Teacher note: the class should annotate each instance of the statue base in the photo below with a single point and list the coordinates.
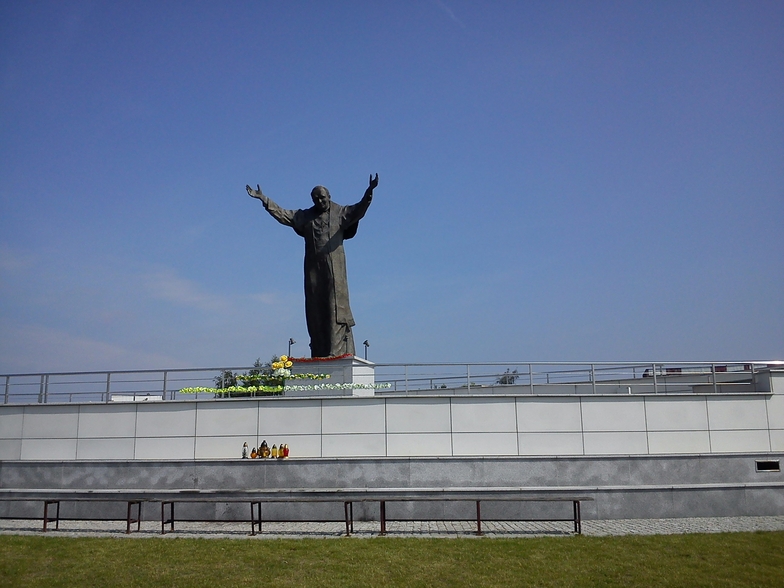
(341, 370)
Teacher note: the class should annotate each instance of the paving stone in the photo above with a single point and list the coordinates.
(368, 529)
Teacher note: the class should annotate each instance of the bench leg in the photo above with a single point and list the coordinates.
(253, 520)
(383, 517)
(164, 520)
(137, 520)
(478, 518)
(578, 525)
(56, 517)
(348, 511)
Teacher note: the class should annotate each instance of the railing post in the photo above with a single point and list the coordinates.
(468, 376)
(655, 384)
(165, 382)
(531, 377)
(46, 389)
(713, 374)
(406, 376)
(108, 385)
(7, 384)
(41, 390)
(593, 379)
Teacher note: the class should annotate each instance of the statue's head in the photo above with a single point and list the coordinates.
(320, 196)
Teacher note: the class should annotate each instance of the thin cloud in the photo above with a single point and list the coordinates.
(166, 285)
(264, 298)
(34, 348)
(441, 4)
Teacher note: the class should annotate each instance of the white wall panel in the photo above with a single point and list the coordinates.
(776, 411)
(422, 444)
(418, 415)
(475, 415)
(11, 418)
(117, 448)
(737, 413)
(678, 442)
(299, 445)
(51, 422)
(777, 440)
(10, 449)
(739, 441)
(610, 414)
(107, 420)
(165, 448)
(221, 447)
(166, 420)
(551, 443)
(286, 417)
(229, 418)
(358, 445)
(484, 444)
(353, 416)
(48, 449)
(625, 443)
(676, 414)
(548, 414)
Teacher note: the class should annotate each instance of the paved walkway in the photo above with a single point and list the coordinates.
(444, 529)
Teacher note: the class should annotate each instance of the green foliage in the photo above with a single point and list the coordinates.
(730, 559)
(508, 377)
(258, 367)
(226, 379)
(231, 384)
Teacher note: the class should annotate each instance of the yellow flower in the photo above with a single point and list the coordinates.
(284, 358)
(289, 364)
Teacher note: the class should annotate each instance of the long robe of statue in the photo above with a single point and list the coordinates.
(324, 227)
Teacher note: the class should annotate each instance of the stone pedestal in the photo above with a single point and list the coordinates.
(344, 370)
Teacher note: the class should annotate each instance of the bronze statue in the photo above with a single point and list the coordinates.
(324, 227)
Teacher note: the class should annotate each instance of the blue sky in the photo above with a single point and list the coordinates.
(559, 181)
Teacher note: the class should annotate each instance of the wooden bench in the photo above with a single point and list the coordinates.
(256, 497)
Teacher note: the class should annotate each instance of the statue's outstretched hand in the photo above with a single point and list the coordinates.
(255, 193)
(372, 182)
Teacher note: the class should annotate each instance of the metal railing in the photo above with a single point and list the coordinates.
(573, 378)
(410, 378)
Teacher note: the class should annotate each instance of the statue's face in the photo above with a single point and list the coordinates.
(320, 199)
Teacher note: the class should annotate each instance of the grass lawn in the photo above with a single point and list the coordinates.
(729, 559)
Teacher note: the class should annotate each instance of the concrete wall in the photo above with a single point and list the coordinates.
(403, 426)
(622, 486)
(636, 455)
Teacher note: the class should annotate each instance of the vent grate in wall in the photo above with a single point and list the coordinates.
(768, 465)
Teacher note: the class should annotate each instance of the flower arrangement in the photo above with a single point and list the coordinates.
(281, 367)
(235, 391)
(346, 386)
(267, 379)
